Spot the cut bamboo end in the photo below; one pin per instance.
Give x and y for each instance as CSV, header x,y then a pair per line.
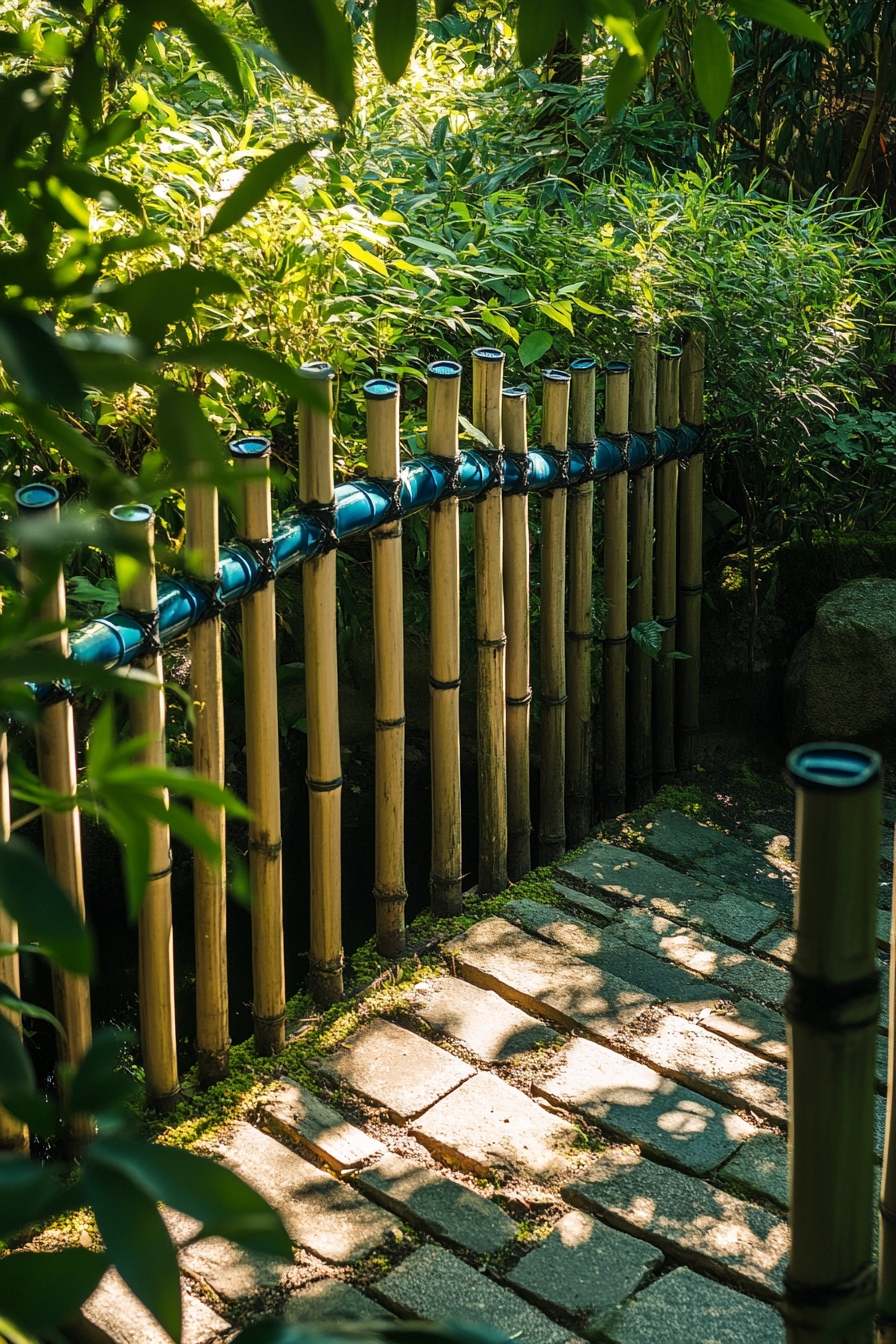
x,y
639,737
488,374
579,634
666,518
617,384
690,559
390,891
832,1012
516,620
325,978
552,820
251,461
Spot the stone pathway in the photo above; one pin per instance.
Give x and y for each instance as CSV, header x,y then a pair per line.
x,y
577,1129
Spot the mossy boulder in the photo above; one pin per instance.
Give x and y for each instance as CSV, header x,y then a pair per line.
x,y
841,680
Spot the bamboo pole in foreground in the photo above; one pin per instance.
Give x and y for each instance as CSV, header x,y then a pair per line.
x,y
640,681
579,634
13,1134
446,874
384,464
516,620
57,766
251,460
666,482
209,885
886,1284
690,557
618,379
488,373
552,822
832,1012
138,594
322,700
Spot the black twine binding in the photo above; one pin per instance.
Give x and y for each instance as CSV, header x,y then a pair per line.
x,y
323,785
827,1294
650,438
588,451
59,693
263,550
212,590
561,457
523,462
391,486
820,1004
622,443
325,516
444,685
148,621
702,436
452,466
494,458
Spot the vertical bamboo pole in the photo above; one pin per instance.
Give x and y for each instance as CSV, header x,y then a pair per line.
x,y
617,382
639,734
886,1283
13,1134
516,619
443,405
209,885
138,594
251,459
384,464
832,1012
690,556
666,481
488,373
322,700
552,822
579,632
57,766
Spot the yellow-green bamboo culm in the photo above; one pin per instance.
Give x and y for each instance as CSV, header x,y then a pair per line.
x,y
138,593
666,516
13,1134
251,462
488,372
552,820
579,633
639,736
383,463
832,1014
690,557
57,766
516,621
446,873
887,1255
209,880
617,383
316,488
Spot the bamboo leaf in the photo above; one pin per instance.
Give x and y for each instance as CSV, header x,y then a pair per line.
x,y
260,179
537,26
260,364
626,73
44,1289
34,358
314,39
713,65
394,31
789,18
33,897
366,258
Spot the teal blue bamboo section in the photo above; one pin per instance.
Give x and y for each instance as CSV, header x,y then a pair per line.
x,y
114,641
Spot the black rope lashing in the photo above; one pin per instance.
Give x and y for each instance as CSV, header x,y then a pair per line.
x,y
553,701
828,1294
163,872
582,636
444,685
390,486
268,848
588,451
494,458
650,438
523,463
262,549
383,725
690,589
452,466
561,457
212,590
519,699
325,516
323,785
148,621
615,639
59,693
820,1004
702,435
667,622
622,443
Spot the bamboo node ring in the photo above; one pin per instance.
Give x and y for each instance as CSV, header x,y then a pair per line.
x,y
444,685
821,1004
492,643
323,785
269,848
383,724
520,700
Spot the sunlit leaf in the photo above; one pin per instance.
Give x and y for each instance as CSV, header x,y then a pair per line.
x,y
366,258
534,347
260,179
625,75
789,18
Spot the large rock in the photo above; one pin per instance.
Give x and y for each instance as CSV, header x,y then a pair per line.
x,y
839,682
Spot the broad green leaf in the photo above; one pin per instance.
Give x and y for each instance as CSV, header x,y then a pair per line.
x,y
206,36
498,320
43,1289
29,1193
650,29
625,75
201,1188
315,40
34,358
260,364
537,26
559,312
261,179
45,915
534,347
100,1085
183,432
92,185
713,65
787,17
394,31
648,635
366,258
624,32
137,1242
16,1070
115,131
13,1004
155,301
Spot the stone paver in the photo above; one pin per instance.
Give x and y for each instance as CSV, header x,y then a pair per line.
x,y
752,1026
534,975
665,981
298,1115
590,905
779,945
332,1300
395,1068
731,917
760,1168
726,965
687,1217
759,876
320,1213
711,1066
584,1269
480,1019
439,1205
685,1308
114,1309
634,1103
230,1271
884,921
487,1126
433,1285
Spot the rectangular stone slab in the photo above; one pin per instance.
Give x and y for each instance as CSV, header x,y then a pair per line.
x,y
322,1214
584,1268
760,1167
435,1203
488,1126
712,1067
114,1309
758,875
589,905
685,1308
298,1115
432,1285
395,1068
230,1271
687,1217
528,972
638,1105
480,1019
752,1027
332,1300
